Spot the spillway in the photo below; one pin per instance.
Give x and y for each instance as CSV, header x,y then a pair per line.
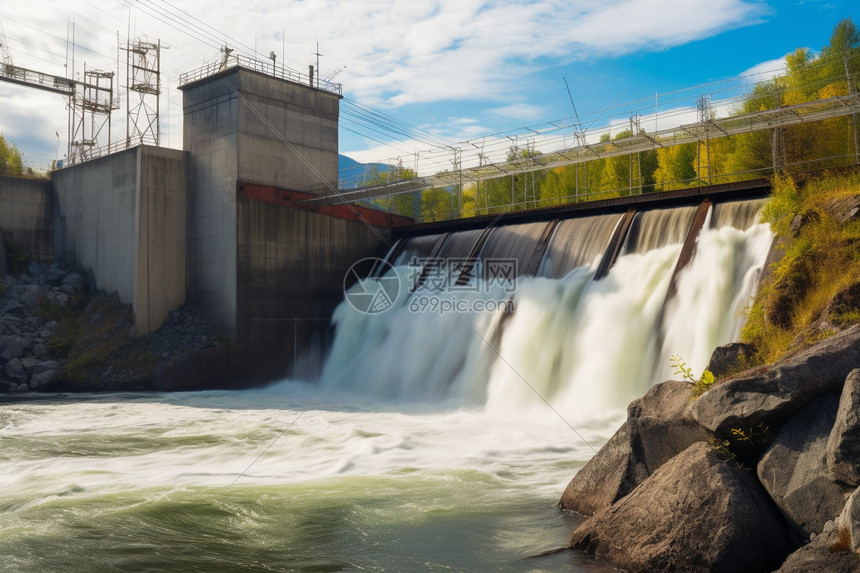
x,y
584,346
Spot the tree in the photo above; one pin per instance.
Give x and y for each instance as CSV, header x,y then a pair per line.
x,y
11,162
676,168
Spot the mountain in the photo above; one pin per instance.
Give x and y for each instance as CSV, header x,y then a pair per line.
x,y
353,174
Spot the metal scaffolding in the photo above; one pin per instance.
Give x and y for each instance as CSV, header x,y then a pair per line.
x,y
143,88
705,128
90,108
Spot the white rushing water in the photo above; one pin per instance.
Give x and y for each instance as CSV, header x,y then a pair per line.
x,y
585,347
433,439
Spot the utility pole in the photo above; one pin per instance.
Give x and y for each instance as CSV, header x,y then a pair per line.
x,y
704,109
853,115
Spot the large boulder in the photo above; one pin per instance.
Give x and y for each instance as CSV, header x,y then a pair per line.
x,y
725,359
659,425
11,347
662,424
696,513
43,373
794,469
843,447
770,395
848,523
824,553
14,372
607,477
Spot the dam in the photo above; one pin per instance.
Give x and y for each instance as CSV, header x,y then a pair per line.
x,y
230,224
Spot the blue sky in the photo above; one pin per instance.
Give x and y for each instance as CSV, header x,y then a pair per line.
x,y
457,73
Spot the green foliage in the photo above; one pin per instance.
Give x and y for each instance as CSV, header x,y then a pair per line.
x,y
3,288
724,451
698,385
820,260
11,162
759,436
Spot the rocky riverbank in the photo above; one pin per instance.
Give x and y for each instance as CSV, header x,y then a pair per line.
x,y
55,336
759,473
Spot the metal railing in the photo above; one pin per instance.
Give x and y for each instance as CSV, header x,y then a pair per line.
x,y
32,78
264,67
838,106
86,153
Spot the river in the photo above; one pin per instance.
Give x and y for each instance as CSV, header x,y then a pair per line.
x,y
432,441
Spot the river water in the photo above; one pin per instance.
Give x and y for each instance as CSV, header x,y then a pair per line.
x,y
432,441
143,482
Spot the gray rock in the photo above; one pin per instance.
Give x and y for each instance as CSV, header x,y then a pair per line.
x,y
14,308
75,281
662,423
659,426
772,394
40,350
607,477
843,447
846,208
15,372
43,373
726,358
848,522
34,269
11,347
824,553
794,469
29,363
55,275
695,513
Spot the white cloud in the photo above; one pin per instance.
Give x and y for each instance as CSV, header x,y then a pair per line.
x,y
395,52
519,111
765,70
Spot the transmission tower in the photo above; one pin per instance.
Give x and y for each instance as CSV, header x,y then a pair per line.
x,y
90,109
143,66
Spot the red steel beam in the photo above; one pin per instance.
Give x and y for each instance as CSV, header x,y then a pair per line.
x,y
296,200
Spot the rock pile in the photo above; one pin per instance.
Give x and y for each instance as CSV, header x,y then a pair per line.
x,y
183,331
25,361
31,360
761,472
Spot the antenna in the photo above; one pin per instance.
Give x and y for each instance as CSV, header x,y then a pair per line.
x,y
576,115
317,54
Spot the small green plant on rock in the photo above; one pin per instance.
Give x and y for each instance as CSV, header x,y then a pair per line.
x,y
698,385
758,436
724,451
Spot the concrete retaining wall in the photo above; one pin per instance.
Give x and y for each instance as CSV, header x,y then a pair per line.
x,y
123,217
26,213
292,264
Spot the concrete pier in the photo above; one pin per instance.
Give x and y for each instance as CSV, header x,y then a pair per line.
x,y
123,217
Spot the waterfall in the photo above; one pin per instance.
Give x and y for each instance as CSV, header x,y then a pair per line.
x,y
577,242
584,346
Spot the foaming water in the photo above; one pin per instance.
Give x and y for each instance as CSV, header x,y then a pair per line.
x,y
584,347
259,480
